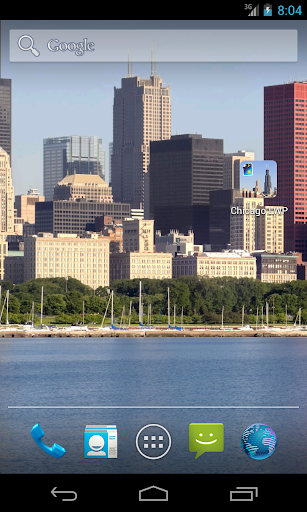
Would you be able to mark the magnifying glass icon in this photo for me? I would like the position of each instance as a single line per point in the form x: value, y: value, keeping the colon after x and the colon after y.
x: 33, y: 50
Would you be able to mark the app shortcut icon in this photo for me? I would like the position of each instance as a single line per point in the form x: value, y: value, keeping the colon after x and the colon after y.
x: 248, y: 169
x: 153, y: 441
x: 100, y: 442
x: 206, y: 437
x: 55, y: 450
x: 259, y: 441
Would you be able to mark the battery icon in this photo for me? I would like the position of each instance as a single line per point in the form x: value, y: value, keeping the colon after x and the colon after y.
x: 267, y: 10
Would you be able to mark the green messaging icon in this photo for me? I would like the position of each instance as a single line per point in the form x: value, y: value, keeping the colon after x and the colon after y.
x: 206, y: 437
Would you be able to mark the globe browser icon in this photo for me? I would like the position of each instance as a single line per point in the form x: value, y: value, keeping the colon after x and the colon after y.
x: 259, y: 441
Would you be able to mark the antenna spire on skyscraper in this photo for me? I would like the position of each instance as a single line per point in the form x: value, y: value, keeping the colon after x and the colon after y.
x: 153, y: 62
x: 130, y: 65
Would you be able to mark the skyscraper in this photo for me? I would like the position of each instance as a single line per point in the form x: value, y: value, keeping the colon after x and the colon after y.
x: 6, y: 194
x: 141, y: 113
x: 109, y: 177
x: 219, y: 218
x: 243, y: 225
x: 257, y: 188
x: 267, y: 183
x: 183, y: 171
x: 71, y: 155
x: 285, y: 141
x: 270, y: 231
x: 6, y: 115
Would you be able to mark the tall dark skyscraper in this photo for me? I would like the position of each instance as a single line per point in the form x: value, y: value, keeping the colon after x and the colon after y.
x: 285, y: 141
x: 141, y: 113
x: 183, y: 171
x: 6, y: 116
x: 220, y: 203
x: 267, y: 183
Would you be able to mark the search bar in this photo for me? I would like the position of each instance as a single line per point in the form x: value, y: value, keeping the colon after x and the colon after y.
x: 169, y: 45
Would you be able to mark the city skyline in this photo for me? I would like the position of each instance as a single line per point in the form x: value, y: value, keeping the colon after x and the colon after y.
x: 43, y: 93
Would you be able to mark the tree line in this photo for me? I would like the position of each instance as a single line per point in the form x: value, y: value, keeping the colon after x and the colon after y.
x: 199, y: 299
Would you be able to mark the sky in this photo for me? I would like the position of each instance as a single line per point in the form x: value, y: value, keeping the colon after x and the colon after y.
x: 216, y: 100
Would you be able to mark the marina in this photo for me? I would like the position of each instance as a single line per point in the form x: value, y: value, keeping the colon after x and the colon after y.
x: 126, y: 330
x: 28, y: 331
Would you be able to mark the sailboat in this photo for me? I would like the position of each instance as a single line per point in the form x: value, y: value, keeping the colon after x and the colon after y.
x: 245, y: 327
x: 143, y: 326
x: 102, y: 327
x: 265, y: 325
x: 7, y: 327
x: 299, y: 327
x: 130, y: 311
x: 222, y: 328
x: 112, y: 320
x: 42, y: 327
x: 6, y: 301
x: 175, y: 327
x: 29, y: 325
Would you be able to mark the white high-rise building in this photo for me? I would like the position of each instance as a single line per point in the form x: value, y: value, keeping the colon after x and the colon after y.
x: 254, y: 226
x: 243, y: 222
x: 270, y: 230
x: 6, y: 115
x: 6, y: 194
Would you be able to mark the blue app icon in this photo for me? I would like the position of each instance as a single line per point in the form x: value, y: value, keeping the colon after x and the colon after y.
x: 100, y: 442
x: 259, y: 441
x: 248, y: 169
x: 95, y: 445
x: 55, y: 450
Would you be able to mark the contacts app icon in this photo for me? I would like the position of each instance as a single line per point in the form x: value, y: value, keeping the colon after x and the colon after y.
x: 100, y: 442
x: 206, y: 437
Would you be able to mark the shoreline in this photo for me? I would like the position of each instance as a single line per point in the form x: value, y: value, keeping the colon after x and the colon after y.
x: 155, y: 333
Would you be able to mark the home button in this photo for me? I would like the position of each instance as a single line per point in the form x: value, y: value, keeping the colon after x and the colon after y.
x: 153, y: 493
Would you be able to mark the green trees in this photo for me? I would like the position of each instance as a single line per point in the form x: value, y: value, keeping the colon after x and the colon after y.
x: 54, y: 304
x: 202, y: 299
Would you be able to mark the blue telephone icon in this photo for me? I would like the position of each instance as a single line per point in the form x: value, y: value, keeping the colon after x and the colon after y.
x: 55, y: 450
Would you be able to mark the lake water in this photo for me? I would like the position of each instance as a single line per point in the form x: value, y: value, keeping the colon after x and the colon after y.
x: 161, y: 372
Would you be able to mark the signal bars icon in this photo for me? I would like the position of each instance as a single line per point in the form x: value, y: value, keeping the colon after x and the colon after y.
x: 255, y: 11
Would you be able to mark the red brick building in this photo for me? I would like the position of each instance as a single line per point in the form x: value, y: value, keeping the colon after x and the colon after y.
x: 285, y: 141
